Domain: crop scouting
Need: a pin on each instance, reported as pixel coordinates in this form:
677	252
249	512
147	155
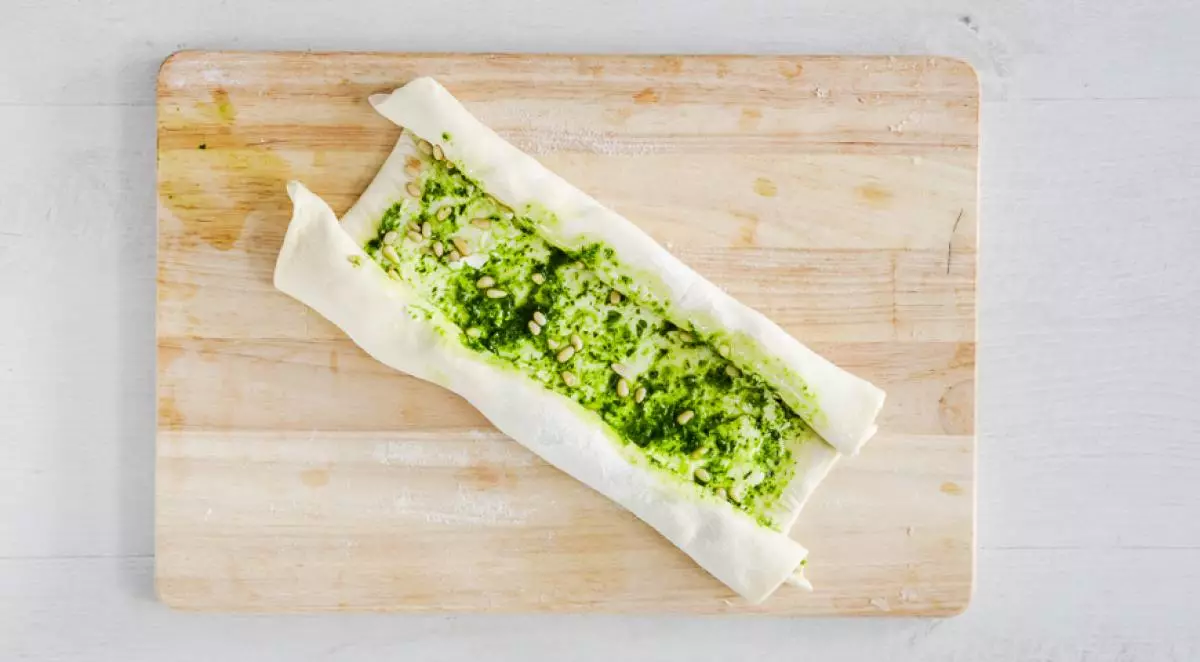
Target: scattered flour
469	448
466	507
549	133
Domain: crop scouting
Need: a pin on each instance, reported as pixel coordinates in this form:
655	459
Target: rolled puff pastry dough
323	265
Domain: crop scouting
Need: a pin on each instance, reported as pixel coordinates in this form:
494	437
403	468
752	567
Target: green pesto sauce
735	442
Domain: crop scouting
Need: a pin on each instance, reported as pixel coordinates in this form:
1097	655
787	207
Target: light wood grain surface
836	194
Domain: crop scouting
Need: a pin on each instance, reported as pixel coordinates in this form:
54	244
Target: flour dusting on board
465	449
548	134
416	454
468	506
471	448
213	73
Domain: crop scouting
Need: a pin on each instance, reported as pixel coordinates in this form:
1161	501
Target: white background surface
1089	392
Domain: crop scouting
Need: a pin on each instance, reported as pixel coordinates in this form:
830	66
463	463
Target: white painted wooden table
1089	467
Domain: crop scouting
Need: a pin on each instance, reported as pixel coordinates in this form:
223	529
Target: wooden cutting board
836	194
